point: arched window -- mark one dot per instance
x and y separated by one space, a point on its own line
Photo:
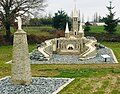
75 33
75 19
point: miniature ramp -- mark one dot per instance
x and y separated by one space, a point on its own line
91 52
43 50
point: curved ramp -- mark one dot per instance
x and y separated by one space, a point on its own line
91 51
45 52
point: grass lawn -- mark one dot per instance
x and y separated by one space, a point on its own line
37 30
100 29
109 84
6 55
33 30
89 79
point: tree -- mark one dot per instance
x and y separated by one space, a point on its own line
110 22
10 9
87 27
41 21
60 19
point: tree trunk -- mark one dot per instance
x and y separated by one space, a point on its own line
8 33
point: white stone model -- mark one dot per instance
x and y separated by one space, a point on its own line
19 20
74 42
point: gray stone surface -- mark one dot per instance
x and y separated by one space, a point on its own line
36 55
74 59
20 67
38 86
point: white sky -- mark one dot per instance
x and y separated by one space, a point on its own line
87 7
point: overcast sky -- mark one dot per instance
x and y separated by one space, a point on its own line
86 7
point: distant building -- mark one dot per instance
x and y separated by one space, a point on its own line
100 24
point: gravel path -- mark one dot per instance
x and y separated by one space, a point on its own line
74 59
38 86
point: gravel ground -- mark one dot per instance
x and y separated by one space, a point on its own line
74 59
38 86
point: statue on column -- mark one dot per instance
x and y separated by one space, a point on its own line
19 20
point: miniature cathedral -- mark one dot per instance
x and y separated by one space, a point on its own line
74 42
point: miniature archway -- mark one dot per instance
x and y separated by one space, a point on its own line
70 47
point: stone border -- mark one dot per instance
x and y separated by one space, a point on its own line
115 59
5 78
8 62
55 92
63 86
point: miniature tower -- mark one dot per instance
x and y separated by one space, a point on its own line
67 31
81 32
20 72
75 15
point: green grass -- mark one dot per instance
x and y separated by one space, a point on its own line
6 55
37 27
100 29
37 30
85 72
6 52
33 30
89 79
94 85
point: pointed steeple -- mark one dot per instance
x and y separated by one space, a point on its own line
75 12
80 28
67 28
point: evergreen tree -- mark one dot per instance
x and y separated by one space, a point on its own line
87 27
60 19
110 22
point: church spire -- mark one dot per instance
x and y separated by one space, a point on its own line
80 28
67 28
75 12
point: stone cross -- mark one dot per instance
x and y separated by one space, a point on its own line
19 20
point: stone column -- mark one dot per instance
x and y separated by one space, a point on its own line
21 71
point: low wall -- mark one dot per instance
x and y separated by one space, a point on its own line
91 51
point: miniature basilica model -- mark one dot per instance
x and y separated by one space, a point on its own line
74 42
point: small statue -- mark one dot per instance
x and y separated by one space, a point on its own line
19 20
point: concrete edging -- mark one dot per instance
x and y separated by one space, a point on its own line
116 61
5 78
63 86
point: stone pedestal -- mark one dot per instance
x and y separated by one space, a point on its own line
21 71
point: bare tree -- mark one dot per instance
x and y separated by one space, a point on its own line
10 9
